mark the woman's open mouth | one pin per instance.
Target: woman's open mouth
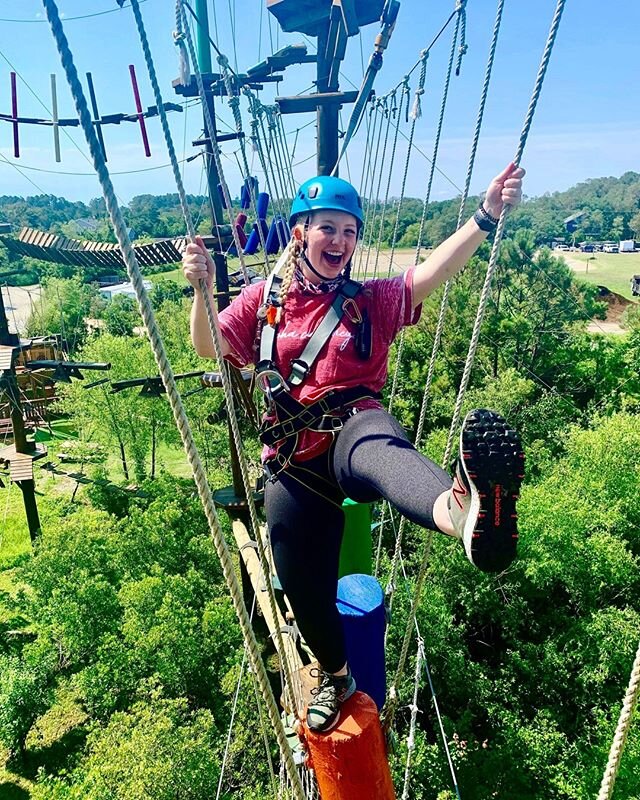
(333, 258)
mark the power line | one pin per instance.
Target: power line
(69, 19)
(26, 177)
(85, 174)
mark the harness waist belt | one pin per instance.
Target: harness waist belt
(293, 416)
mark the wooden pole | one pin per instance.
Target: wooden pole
(27, 487)
(351, 760)
(328, 114)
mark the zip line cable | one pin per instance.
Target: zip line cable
(397, 112)
(89, 174)
(146, 310)
(19, 169)
(386, 110)
(381, 107)
(71, 19)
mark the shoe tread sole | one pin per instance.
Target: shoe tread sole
(493, 461)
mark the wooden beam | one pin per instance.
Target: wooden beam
(249, 554)
(300, 104)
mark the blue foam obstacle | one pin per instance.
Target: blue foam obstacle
(254, 242)
(361, 608)
(249, 190)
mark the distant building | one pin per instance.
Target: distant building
(84, 225)
(109, 292)
(5, 227)
(571, 223)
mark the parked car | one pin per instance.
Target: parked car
(610, 248)
(588, 248)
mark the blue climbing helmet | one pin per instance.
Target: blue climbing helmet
(326, 192)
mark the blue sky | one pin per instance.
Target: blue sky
(586, 124)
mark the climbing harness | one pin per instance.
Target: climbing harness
(286, 416)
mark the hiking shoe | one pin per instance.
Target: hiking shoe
(324, 712)
(482, 500)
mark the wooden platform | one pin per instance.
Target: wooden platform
(21, 464)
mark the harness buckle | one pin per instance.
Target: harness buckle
(335, 424)
(280, 462)
(299, 371)
(270, 381)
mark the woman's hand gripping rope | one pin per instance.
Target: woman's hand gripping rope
(198, 267)
(504, 189)
(197, 264)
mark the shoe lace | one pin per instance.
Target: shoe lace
(330, 689)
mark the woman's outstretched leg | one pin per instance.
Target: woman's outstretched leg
(373, 458)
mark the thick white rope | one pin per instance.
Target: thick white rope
(622, 729)
(460, 8)
(495, 250)
(213, 329)
(463, 200)
(173, 395)
(411, 738)
(393, 700)
(445, 295)
(434, 159)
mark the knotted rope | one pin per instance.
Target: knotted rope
(495, 250)
(390, 708)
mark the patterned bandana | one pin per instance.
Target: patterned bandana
(318, 288)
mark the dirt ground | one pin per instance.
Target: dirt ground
(616, 303)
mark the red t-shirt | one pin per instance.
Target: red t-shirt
(389, 304)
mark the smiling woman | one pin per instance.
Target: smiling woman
(320, 342)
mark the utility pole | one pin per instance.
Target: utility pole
(20, 455)
(328, 113)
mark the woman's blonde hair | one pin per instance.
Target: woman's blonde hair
(295, 251)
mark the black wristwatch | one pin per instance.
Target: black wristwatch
(484, 220)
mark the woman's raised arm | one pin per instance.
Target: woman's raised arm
(449, 257)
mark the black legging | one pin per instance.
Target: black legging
(370, 459)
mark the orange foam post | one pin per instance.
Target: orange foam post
(350, 761)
